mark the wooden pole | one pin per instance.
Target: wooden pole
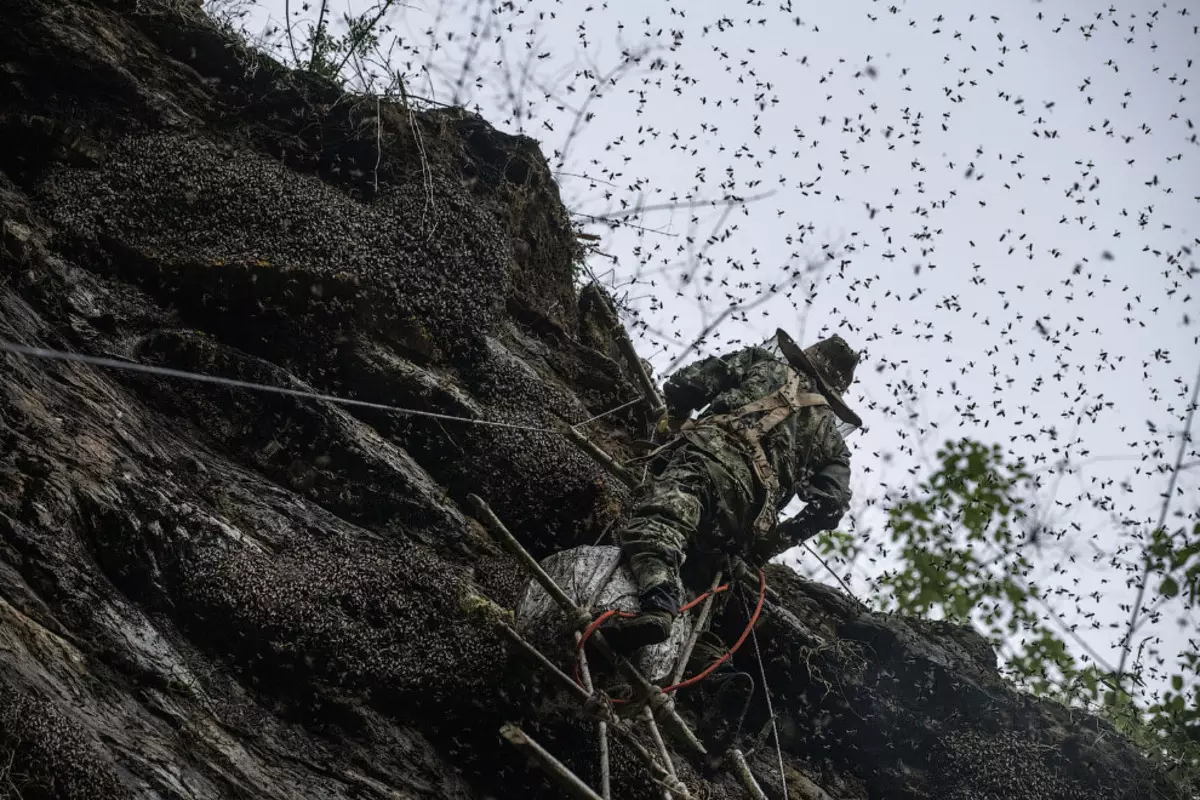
(742, 769)
(577, 691)
(567, 780)
(663, 752)
(654, 402)
(578, 618)
(575, 615)
(604, 459)
(697, 629)
(657, 771)
(605, 773)
(601, 726)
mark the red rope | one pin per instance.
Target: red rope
(612, 612)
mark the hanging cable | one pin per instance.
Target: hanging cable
(603, 414)
(168, 372)
(762, 671)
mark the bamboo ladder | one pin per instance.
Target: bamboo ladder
(658, 706)
(658, 710)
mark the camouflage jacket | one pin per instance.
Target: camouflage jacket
(808, 454)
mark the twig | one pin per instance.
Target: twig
(604, 414)
(478, 35)
(287, 10)
(426, 172)
(585, 177)
(1147, 560)
(725, 201)
(795, 278)
(576, 616)
(378, 142)
(618, 222)
(836, 577)
(581, 115)
(318, 32)
(580, 694)
(1053, 613)
(762, 670)
(362, 32)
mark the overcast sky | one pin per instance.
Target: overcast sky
(1007, 189)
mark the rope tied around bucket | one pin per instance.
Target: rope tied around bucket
(704, 673)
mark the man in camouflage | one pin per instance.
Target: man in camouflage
(770, 432)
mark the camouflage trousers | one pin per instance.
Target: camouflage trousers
(702, 505)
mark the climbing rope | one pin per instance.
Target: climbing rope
(603, 414)
(168, 372)
(762, 671)
(704, 673)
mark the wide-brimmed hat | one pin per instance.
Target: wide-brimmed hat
(830, 362)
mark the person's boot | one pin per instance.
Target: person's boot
(659, 608)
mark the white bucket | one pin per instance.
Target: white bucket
(595, 579)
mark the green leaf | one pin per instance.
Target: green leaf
(1015, 593)
(1168, 587)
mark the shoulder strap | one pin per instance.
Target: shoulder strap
(778, 405)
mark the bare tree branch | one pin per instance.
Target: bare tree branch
(315, 45)
(726, 201)
(1147, 560)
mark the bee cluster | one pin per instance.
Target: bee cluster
(1011, 765)
(50, 756)
(537, 481)
(336, 610)
(230, 233)
(288, 262)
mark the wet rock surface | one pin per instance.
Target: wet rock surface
(212, 592)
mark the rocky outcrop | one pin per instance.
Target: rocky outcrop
(208, 591)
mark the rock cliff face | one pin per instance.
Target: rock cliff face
(212, 592)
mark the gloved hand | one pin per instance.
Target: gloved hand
(799, 528)
(787, 534)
